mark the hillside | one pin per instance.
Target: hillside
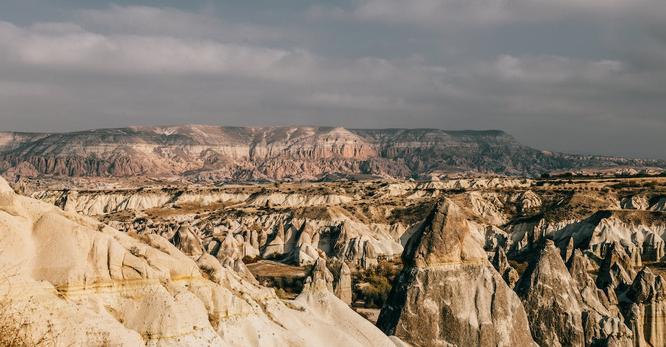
(204, 153)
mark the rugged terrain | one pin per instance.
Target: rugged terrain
(498, 261)
(70, 280)
(201, 153)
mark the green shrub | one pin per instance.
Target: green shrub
(373, 286)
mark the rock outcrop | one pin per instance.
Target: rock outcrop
(653, 247)
(564, 306)
(449, 293)
(210, 153)
(342, 285)
(455, 288)
(501, 264)
(552, 300)
(79, 282)
(645, 309)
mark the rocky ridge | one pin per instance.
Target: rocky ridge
(591, 266)
(522, 245)
(213, 153)
(449, 294)
(70, 280)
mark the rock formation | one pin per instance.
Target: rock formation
(447, 281)
(306, 251)
(552, 301)
(616, 269)
(564, 306)
(449, 293)
(317, 300)
(275, 244)
(645, 309)
(501, 264)
(653, 247)
(79, 282)
(342, 285)
(321, 275)
(188, 243)
(208, 153)
(528, 202)
(636, 202)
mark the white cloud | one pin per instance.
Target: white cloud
(168, 21)
(297, 77)
(58, 46)
(552, 69)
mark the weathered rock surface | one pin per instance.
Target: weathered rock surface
(564, 306)
(552, 300)
(449, 293)
(645, 309)
(364, 223)
(342, 285)
(230, 153)
(501, 264)
(80, 282)
(334, 228)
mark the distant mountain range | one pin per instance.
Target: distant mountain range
(202, 152)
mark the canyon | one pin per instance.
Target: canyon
(198, 235)
(492, 261)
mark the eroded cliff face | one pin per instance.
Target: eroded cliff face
(295, 224)
(484, 235)
(606, 294)
(79, 282)
(214, 153)
(449, 293)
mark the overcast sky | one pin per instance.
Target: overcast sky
(585, 76)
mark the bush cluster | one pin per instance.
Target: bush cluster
(373, 286)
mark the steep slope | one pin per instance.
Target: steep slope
(70, 280)
(302, 153)
(552, 300)
(449, 293)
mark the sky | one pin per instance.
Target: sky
(583, 76)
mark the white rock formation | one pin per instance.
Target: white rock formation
(79, 282)
(635, 202)
(449, 294)
(342, 285)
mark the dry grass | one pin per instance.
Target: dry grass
(266, 268)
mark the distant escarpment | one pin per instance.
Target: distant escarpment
(216, 153)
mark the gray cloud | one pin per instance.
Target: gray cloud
(440, 13)
(369, 63)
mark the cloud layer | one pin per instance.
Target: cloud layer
(480, 64)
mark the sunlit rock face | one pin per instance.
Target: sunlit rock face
(449, 293)
(461, 261)
(210, 153)
(644, 304)
(80, 282)
(552, 300)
